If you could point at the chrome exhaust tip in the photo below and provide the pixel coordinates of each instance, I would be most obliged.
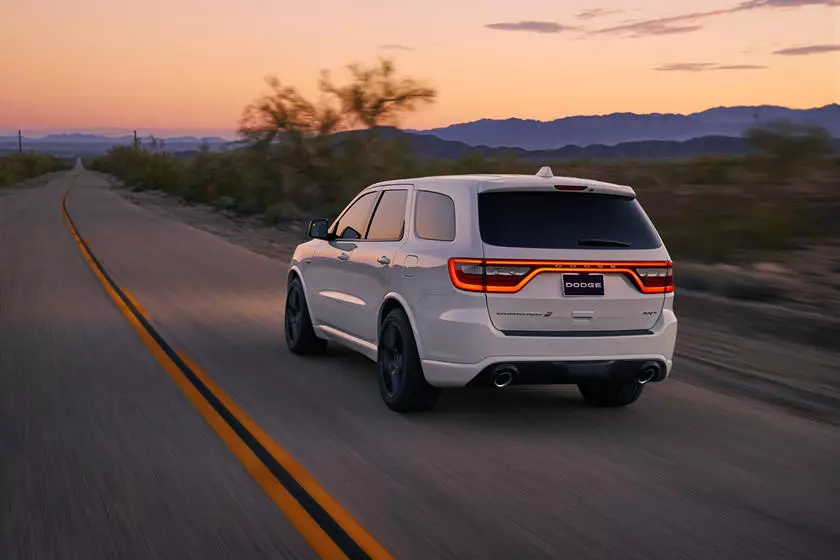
(648, 371)
(503, 376)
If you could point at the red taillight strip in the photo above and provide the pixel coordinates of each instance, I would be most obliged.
(457, 282)
(605, 267)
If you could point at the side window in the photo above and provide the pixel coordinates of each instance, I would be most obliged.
(353, 223)
(434, 216)
(388, 223)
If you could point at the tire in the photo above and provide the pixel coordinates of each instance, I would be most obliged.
(398, 369)
(611, 393)
(300, 336)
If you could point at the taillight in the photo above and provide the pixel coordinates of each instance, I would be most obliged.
(496, 276)
(476, 275)
(467, 274)
(657, 278)
(509, 276)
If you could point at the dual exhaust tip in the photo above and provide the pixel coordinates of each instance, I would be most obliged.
(648, 372)
(505, 374)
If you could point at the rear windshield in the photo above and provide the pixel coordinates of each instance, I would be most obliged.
(563, 220)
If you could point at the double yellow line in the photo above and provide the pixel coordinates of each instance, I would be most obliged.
(331, 531)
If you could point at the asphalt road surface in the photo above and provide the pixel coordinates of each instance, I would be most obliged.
(104, 456)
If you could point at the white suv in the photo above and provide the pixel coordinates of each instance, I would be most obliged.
(489, 280)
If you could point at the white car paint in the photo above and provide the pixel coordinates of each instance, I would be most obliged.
(458, 333)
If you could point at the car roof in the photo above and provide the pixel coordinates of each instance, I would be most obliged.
(545, 179)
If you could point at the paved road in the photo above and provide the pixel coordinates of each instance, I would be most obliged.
(103, 456)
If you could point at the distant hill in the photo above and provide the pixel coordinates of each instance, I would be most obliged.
(434, 147)
(618, 128)
(93, 144)
(424, 145)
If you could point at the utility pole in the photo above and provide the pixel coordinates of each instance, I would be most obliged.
(135, 138)
(20, 143)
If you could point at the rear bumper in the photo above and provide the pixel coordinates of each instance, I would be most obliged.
(553, 360)
(572, 372)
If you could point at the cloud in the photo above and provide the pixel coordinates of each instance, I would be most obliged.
(751, 4)
(808, 49)
(684, 23)
(395, 47)
(686, 67)
(740, 67)
(531, 27)
(593, 13)
(689, 22)
(705, 67)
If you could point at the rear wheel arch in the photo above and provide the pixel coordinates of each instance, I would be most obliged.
(395, 301)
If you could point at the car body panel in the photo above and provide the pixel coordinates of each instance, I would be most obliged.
(459, 332)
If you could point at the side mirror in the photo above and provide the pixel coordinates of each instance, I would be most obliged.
(319, 229)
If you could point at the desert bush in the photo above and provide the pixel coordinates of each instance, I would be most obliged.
(16, 168)
(751, 288)
(788, 149)
(224, 203)
(281, 212)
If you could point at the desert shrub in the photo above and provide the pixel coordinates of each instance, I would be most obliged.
(787, 150)
(709, 171)
(16, 168)
(224, 203)
(281, 212)
(750, 288)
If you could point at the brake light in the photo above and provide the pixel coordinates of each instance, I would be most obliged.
(657, 277)
(467, 274)
(509, 276)
(570, 187)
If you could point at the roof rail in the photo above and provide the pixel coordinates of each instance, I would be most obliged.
(545, 171)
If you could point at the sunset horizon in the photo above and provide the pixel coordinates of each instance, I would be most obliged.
(95, 66)
(233, 134)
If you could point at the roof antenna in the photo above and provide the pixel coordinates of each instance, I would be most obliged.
(545, 172)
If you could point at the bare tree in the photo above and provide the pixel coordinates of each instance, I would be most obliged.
(375, 96)
(301, 132)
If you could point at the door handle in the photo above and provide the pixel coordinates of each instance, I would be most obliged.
(343, 256)
(383, 260)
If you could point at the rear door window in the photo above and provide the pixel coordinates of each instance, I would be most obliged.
(563, 220)
(388, 221)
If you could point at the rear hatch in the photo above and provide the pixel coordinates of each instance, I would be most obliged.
(569, 260)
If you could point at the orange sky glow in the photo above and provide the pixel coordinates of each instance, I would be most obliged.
(192, 65)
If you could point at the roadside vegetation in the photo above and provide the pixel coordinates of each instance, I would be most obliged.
(301, 158)
(17, 168)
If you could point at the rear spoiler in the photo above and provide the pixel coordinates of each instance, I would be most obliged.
(545, 180)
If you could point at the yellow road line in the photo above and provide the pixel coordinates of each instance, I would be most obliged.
(336, 510)
(325, 546)
(136, 303)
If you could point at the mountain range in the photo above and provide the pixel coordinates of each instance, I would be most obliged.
(716, 131)
(617, 128)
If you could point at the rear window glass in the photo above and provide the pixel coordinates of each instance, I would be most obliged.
(555, 220)
(434, 216)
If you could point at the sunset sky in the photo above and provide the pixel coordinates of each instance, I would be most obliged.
(192, 65)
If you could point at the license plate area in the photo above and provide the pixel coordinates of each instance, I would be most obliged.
(583, 284)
